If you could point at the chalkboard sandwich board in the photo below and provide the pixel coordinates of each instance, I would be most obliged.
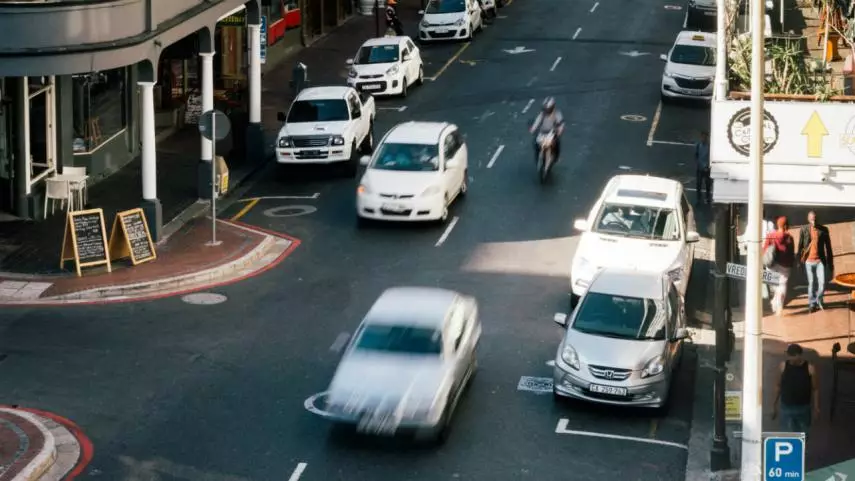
(85, 240)
(130, 237)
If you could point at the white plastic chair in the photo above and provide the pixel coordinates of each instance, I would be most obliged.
(56, 190)
(78, 188)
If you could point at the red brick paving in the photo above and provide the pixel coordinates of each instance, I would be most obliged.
(17, 446)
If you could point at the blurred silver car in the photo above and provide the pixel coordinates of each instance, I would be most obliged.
(623, 340)
(407, 364)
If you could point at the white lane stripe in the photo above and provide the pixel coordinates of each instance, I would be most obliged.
(578, 31)
(340, 342)
(562, 429)
(447, 232)
(495, 156)
(555, 64)
(668, 142)
(527, 106)
(298, 471)
(595, 7)
(654, 124)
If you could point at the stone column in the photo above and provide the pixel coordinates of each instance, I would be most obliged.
(204, 170)
(150, 203)
(254, 131)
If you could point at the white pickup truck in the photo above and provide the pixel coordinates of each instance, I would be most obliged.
(327, 125)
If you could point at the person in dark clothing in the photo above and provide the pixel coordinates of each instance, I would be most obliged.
(797, 392)
(816, 255)
(392, 20)
(703, 181)
(784, 259)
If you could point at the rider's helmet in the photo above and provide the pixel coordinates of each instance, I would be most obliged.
(548, 105)
(391, 3)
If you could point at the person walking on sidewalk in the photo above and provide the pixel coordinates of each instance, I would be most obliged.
(797, 392)
(783, 255)
(392, 20)
(816, 255)
(703, 181)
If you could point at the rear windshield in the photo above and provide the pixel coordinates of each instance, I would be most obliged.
(400, 339)
(621, 317)
(332, 110)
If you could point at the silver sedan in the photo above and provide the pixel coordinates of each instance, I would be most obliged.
(407, 364)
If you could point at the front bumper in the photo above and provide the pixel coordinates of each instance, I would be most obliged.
(671, 89)
(416, 209)
(572, 384)
(418, 429)
(445, 32)
(382, 85)
(314, 155)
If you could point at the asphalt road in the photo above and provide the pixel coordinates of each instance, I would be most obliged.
(168, 390)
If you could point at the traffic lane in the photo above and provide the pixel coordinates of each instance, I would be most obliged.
(680, 123)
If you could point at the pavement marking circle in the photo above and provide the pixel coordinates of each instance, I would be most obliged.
(310, 405)
(204, 299)
(289, 211)
(633, 118)
(729, 376)
(537, 385)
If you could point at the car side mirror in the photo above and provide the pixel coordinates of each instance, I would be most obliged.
(421, 12)
(357, 114)
(580, 224)
(405, 58)
(692, 237)
(365, 160)
(560, 318)
(663, 57)
(349, 61)
(681, 333)
(281, 116)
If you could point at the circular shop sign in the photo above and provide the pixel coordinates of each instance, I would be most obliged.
(739, 131)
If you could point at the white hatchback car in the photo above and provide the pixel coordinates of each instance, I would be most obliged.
(639, 222)
(450, 20)
(386, 66)
(690, 67)
(416, 172)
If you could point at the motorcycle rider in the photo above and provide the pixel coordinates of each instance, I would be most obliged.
(547, 120)
(392, 20)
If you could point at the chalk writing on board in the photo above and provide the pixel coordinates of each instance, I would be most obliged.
(89, 234)
(138, 237)
(193, 109)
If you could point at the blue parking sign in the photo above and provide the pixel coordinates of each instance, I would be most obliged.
(784, 458)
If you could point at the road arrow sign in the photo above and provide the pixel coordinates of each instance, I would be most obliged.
(634, 53)
(815, 131)
(519, 49)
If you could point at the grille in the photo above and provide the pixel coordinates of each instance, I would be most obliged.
(403, 213)
(396, 196)
(443, 35)
(313, 155)
(692, 83)
(380, 85)
(371, 76)
(610, 373)
(311, 141)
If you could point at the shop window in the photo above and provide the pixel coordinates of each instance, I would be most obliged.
(100, 108)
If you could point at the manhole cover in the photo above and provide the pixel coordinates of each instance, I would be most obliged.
(204, 298)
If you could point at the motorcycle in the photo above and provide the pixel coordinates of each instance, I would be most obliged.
(547, 154)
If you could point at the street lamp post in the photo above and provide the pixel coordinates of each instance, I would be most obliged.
(720, 452)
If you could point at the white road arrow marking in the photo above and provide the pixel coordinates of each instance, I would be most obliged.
(634, 53)
(399, 109)
(519, 49)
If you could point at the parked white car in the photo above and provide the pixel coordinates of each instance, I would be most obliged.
(386, 66)
(639, 222)
(450, 20)
(327, 125)
(417, 171)
(689, 67)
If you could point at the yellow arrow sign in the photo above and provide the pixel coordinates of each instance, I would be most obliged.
(815, 131)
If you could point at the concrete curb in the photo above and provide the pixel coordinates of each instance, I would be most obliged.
(68, 451)
(700, 435)
(46, 457)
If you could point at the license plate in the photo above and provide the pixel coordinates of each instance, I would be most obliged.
(371, 87)
(442, 30)
(689, 91)
(311, 152)
(394, 207)
(710, 14)
(614, 391)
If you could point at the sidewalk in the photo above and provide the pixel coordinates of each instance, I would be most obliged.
(36, 445)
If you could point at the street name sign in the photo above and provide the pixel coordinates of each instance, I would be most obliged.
(784, 457)
(739, 271)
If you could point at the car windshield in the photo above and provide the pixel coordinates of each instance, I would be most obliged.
(332, 110)
(400, 339)
(693, 55)
(637, 221)
(377, 54)
(621, 317)
(408, 157)
(446, 6)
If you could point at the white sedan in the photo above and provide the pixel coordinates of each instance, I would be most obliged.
(417, 171)
(386, 66)
(639, 222)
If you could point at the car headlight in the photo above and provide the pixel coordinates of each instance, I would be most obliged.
(363, 189)
(432, 190)
(393, 70)
(668, 74)
(352, 73)
(460, 22)
(337, 140)
(653, 367)
(570, 357)
(676, 274)
(284, 142)
(425, 24)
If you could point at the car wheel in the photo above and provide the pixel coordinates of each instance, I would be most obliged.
(444, 425)
(464, 187)
(664, 99)
(421, 79)
(368, 142)
(444, 218)
(557, 397)
(404, 87)
(471, 34)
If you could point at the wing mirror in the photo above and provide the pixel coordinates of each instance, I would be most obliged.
(692, 237)
(580, 224)
(349, 61)
(681, 333)
(280, 116)
(405, 58)
(365, 160)
(663, 57)
(421, 12)
(560, 318)
(357, 114)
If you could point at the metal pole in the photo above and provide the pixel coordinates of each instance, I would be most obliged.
(825, 36)
(752, 395)
(721, 51)
(720, 453)
(783, 30)
(377, 17)
(213, 177)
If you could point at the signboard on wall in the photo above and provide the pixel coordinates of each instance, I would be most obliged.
(794, 133)
(263, 39)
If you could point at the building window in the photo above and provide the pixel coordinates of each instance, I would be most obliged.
(100, 108)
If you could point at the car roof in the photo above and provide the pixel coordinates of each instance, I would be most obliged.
(324, 93)
(644, 190)
(628, 282)
(701, 39)
(383, 41)
(416, 306)
(416, 133)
